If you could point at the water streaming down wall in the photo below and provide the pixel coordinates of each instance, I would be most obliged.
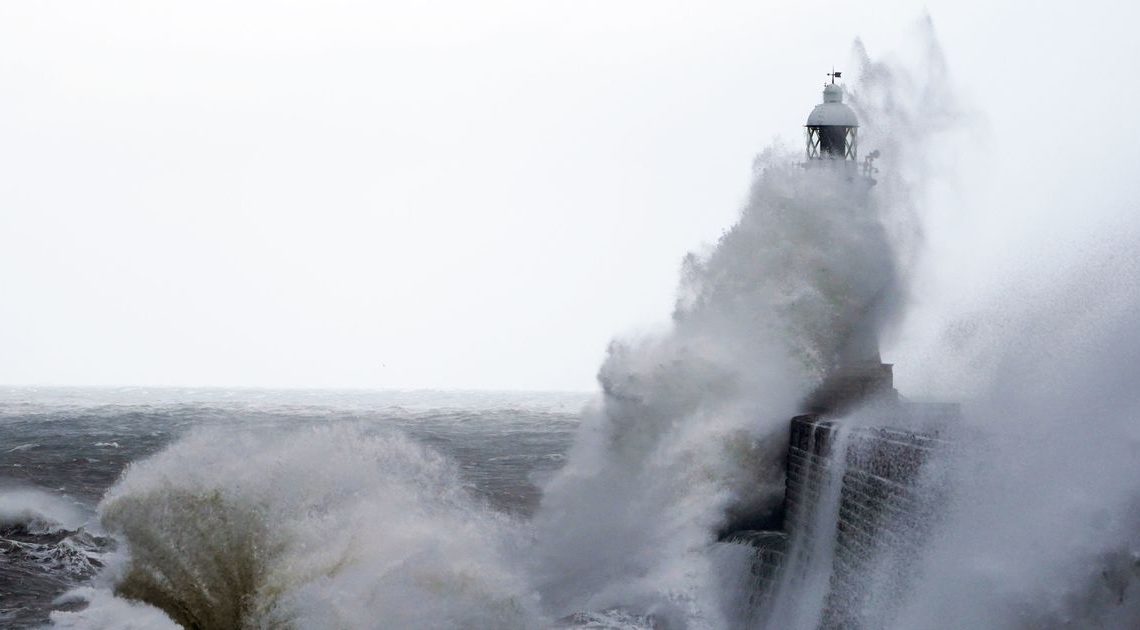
(884, 510)
(860, 500)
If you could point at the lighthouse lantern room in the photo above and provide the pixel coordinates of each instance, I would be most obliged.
(832, 127)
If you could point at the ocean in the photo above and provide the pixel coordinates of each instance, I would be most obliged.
(61, 450)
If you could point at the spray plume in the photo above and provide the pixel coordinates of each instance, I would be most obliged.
(690, 435)
(687, 440)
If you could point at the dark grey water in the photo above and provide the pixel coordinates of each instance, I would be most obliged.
(62, 449)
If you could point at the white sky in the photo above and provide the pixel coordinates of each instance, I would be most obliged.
(445, 194)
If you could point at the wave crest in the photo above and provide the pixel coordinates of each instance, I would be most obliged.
(328, 527)
(37, 512)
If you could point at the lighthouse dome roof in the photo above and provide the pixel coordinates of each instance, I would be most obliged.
(832, 111)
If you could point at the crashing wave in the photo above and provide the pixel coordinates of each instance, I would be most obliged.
(329, 527)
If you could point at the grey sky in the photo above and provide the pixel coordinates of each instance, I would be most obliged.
(478, 195)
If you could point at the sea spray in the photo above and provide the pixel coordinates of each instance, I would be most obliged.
(689, 437)
(695, 423)
(1044, 531)
(1033, 508)
(36, 511)
(328, 527)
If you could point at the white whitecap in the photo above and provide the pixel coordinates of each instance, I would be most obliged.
(38, 510)
(104, 611)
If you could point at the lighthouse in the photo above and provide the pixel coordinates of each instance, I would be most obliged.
(832, 129)
(858, 500)
(858, 374)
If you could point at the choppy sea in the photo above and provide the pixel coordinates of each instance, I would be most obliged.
(61, 450)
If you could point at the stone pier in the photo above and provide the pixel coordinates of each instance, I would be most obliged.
(884, 504)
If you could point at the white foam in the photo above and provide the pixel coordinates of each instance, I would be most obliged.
(104, 611)
(316, 528)
(38, 510)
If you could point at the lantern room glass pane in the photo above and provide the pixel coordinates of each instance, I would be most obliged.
(833, 142)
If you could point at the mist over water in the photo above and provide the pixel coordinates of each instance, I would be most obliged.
(340, 525)
(1042, 529)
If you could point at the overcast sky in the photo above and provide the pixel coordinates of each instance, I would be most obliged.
(342, 193)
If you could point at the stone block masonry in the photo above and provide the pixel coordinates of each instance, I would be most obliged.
(882, 509)
(858, 504)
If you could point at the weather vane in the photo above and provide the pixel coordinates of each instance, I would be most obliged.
(834, 75)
